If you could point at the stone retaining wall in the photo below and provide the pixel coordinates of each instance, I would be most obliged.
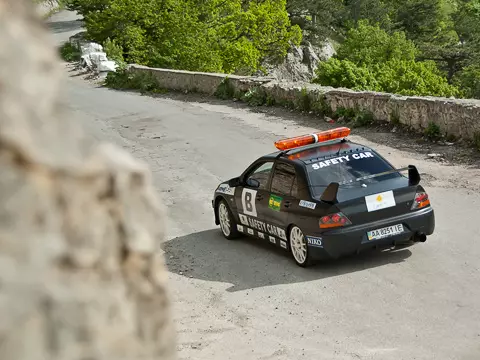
(460, 118)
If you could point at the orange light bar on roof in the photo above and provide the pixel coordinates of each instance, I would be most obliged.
(321, 136)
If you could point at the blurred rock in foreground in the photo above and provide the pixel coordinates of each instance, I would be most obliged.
(81, 275)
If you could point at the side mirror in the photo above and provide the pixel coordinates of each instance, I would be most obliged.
(330, 193)
(253, 183)
(234, 182)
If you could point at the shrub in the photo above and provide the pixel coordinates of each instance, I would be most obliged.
(476, 139)
(114, 52)
(364, 118)
(344, 73)
(225, 90)
(396, 76)
(394, 118)
(70, 52)
(347, 113)
(304, 102)
(255, 97)
(321, 107)
(413, 78)
(371, 59)
(126, 80)
(469, 81)
(368, 44)
(432, 131)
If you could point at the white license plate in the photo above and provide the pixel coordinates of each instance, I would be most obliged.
(385, 232)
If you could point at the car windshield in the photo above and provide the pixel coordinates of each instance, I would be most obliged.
(348, 167)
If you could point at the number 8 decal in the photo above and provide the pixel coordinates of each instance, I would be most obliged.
(248, 202)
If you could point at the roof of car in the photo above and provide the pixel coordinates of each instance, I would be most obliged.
(318, 151)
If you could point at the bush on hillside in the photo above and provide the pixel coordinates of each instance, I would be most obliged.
(69, 52)
(469, 81)
(371, 59)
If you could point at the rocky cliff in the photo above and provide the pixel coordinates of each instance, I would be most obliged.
(81, 276)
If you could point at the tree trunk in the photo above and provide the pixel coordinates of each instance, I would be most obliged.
(81, 276)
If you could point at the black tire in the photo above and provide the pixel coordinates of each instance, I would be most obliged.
(233, 233)
(293, 245)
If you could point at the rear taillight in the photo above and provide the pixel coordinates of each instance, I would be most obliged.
(334, 220)
(421, 200)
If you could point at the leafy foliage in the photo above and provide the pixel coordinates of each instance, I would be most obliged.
(114, 52)
(85, 7)
(344, 73)
(444, 31)
(368, 44)
(125, 80)
(469, 80)
(69, 52)
(432, 131)
(372, 59)
(201, 35)
(318, 19)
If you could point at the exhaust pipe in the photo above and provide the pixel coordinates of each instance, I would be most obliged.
(420, 237)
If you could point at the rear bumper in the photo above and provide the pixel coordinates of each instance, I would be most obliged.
(352, 239)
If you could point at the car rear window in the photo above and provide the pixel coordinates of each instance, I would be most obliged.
(346, 168)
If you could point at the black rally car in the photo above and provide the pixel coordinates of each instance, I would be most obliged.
(322, 196)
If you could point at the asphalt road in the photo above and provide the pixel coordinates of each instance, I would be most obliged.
(244, 300)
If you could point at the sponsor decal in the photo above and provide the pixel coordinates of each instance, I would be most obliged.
(283, 244)
(341, 159)
(263, 227)
(272, 239)
(240, 228)
(225, 189)
(380, 201)
(275, 202)
(248, 202)
(256, 224)
(314, 241)
(261, 235)
(276, 231)
(250, 231)
(308, 204)
(243, 219)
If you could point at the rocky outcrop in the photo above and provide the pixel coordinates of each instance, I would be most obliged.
(81, 276)
(300, 62)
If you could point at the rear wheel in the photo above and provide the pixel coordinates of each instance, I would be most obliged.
(298, 246)
(227, 222)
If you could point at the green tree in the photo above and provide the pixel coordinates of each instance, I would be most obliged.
(86, 6)
(369, 44)
(372, 59)
(318, 19)
(422, 19)
(468, 79)
(200, 35)
(375, 11)
(415, 78)
(344, 73)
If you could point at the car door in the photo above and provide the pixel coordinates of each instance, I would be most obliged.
(281, 200)
(252, 202)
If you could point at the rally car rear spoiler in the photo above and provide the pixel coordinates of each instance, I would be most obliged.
(331, 192)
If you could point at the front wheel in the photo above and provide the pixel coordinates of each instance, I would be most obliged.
(227, 223)
(298, 247)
